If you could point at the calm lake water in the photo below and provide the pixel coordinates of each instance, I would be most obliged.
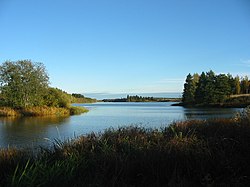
(42, 131)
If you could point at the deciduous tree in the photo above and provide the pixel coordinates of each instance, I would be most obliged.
(23, 83)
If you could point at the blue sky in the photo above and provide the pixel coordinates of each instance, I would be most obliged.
(127, 46)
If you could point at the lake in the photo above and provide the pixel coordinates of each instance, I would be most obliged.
(42, 131)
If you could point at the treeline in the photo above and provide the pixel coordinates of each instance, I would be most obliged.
(79, 98)
(137, 98)
(209, 88)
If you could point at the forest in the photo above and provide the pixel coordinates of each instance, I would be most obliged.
(209, 88)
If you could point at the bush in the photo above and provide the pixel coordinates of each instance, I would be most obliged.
(57, 98)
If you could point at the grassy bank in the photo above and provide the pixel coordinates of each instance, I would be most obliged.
(189, 153)
(41, 111)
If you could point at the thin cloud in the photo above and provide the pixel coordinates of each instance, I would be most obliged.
(245, 63)
(165, 81)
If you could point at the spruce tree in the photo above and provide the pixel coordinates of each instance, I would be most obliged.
(190, 88)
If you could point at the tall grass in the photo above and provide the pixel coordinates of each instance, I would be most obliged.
(7, 111)
(189, 153)
(41, 111)
(74, 110)
(44, 111)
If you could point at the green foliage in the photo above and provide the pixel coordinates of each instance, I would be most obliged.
(190, 88)
(57, 98)
(23, 83)
(209, 88)
(77, 95)
(24, 91)
(137, 98)
(222, 88)
(79, 98)
(201, 89)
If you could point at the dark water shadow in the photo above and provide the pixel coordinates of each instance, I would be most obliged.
(27, 131)
(209, 113)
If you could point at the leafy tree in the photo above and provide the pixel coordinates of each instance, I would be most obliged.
(57, 98)
(23, 83)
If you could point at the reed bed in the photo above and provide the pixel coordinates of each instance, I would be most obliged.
(7, 112)
(41, 111)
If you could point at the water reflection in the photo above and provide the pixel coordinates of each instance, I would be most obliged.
(209, 113)
(28, 130)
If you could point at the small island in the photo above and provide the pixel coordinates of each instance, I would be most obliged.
(25, 91)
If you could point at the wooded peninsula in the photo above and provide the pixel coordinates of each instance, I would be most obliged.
(25, 91)
(209, 89)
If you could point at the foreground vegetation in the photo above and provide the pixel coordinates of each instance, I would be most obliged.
(189, 153)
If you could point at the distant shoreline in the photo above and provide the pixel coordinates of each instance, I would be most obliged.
(101, 96)
(146, 101)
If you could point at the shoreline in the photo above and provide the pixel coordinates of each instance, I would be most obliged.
(216, 105)
(146, 101)
(41, 111)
